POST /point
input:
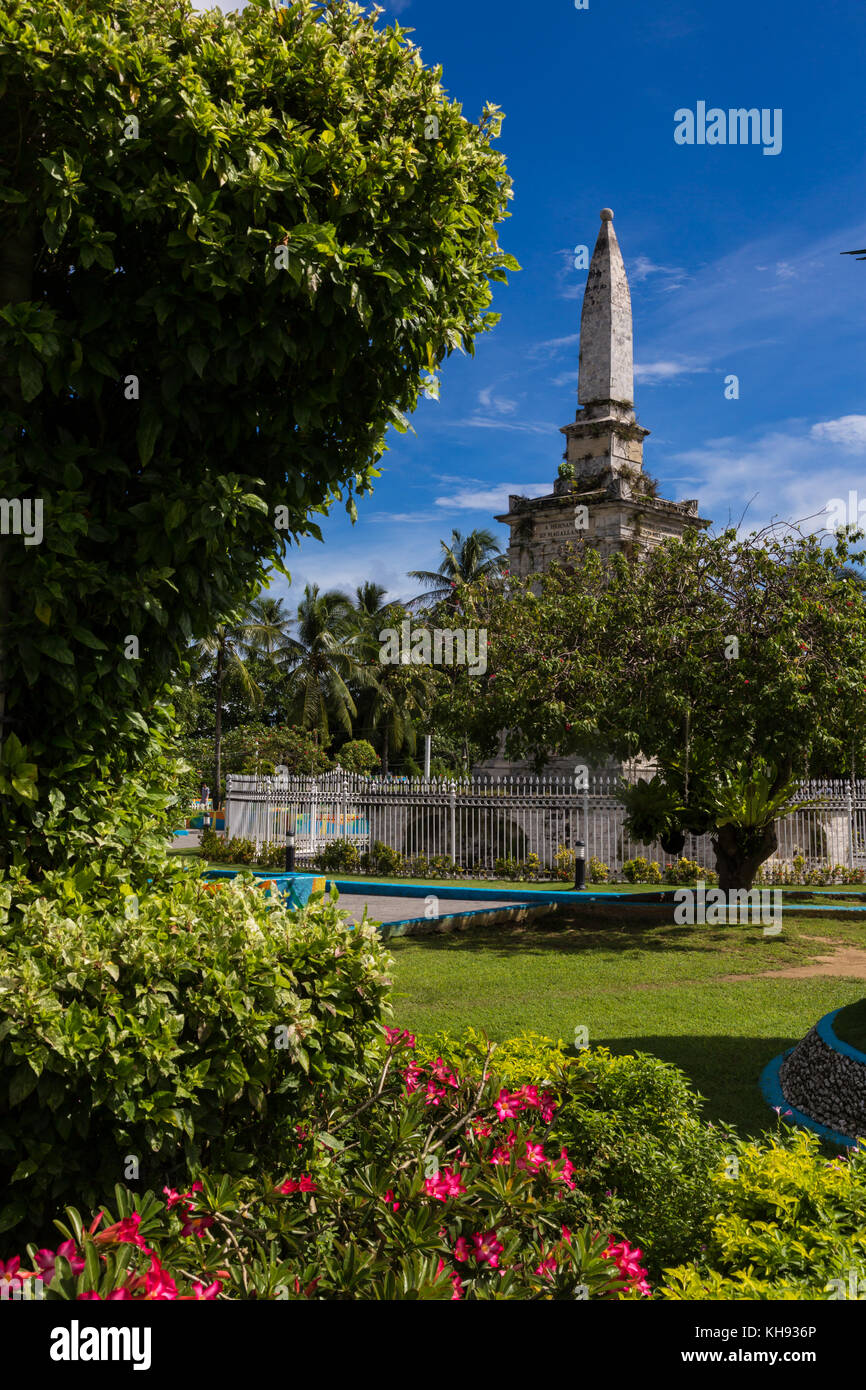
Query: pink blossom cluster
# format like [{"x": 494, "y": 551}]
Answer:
[
  {"x": 194, "y": 1224},
  {"x": 155, "y": 1284},
  {"x": 302, "y": 1184},
  {"x": 627, "y": 1261}
]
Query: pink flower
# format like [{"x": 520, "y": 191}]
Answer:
[
  {"x": 547, "y": 1267},
  {"x": 500, "y": 1155},
  {"x": 124, "y": 1232},
  {"x": 89, "y": 1296},
  {"x": 194, "y": 1225},
  {"x": 507, "y": 1106},
  {"x": 305, "y": 1184},
  {"x": 388, "y": 1199},
  {"x": 461, "y": 1249},
  {"x": 548, "y": 1107},
  {"x": 158, "y": 1282},
  {"x": 413, "y": 1076},
  {"x": 481, "y": 1128},
  {"x": 398, "y": 1036},
  {"x": 534, "y": 1157},
  {"x": 458, "y": 1287},
  {"x": 529, "y": 1096},
  {"x": 9, "y": 1276},
  {"x": 435, "y": 1094},
  {"x": 200, "y": 1292},
  {"x": 567, "y": 1169},
  {"x": 487, "y": 1248},
  {"x": 441, "y": 1072},
  {"x": 628, "y": 1263},
  {"x": 444, "y": 1185}
]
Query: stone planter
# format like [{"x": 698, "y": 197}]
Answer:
[{"x": 822, "y": 1083}]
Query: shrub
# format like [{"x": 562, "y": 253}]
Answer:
[
  {"x": 788, "y": 1225},
  {"x": 340, "y": 856},
  {"x": 382, "y": 859},
  {"x": 178, "y": 1028},
  {"x": 632, "y": 1125},
  {"x": 640, "y": 871},
  {"x": 563, "y": 863},
  {"x": 690, "y": 871},
  {"x": 358, "y": 756},
  {"x": 598, "y": 871},
  {"x": 441, "y": 1190}
]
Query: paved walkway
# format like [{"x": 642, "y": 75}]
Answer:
[{"x": 392, "y": 909}]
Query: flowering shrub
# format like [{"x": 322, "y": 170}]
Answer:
[
  {"x": 596, "y": 870},
  {"x": 794, "y": 871},
  {"x": 184, "y": 1027},
  {"x": 646, "y": 1161},
  {"x": 639, "y": 870},
  {"x": 788, "y": 1225},
  {"x": 690, "y": 871},
  {"x": 419, "y": 1184}
]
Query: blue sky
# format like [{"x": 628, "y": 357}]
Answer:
[{"x": 733, "y": 258}]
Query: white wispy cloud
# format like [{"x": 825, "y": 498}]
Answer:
[
  {"x": 671, "y": 277},
  {"x": 502, "y": 405},
  {"x": 490, "y": 499},
  {"x": 651, "y": 373},
  {"x": 790, "y": 473},
  {"x": 552, "y": 347},
  {"x": 849, "y": 431}
]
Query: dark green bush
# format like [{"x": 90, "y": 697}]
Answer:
[
  {"x": 340, "y": 856},
  {"x": 183, "y": 1028}
]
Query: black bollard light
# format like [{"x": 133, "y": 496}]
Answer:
[
  {"x": 206, "y": 821},
  {"x": 290, "y": 852},
  {"x": 579, "y": 866}
]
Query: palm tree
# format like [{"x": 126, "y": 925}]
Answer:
[
  {"x": 465, "y": 560},
  {"x": 227, "y": 648},
  {"x": 275, "y": 620},
  {"x": 323, "y": 659}
]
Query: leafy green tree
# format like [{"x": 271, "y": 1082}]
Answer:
[
  {"x": 235, "y": 249},
  {"x": 732, "y": 664},
  {"x": 465, "y": 561}
]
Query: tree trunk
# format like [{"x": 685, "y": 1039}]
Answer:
[
  {"x": 218, "y": 739},
  {"x": 385, "y": 750},
  {"x": 740, "y": 853}
]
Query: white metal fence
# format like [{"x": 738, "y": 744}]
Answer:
[{"x": 476, "y": 821}]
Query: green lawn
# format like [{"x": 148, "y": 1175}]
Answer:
[{"x": 636, "y": 985}]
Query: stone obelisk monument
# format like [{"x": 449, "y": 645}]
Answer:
[{"x": 602, "y": 494}]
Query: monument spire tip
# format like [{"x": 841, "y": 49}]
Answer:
[{"x": 606, "y": 215}]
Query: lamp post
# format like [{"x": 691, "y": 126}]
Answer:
[
  {"x": 290, "y": 851},
  {"x": 579, "y": 866},
  {"x": 206, "y": 821}
]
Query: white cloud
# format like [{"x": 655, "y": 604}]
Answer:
[
  {"x": 790, "y": 474},
  {"x": 849, "y": 431},
  {"x": 651, "y": 373},
  {"x": 501, "y": 404},
  {"x": 552, "y": 347},
  {"x": 490, "y": 499}
]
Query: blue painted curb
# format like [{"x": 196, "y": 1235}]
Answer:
[
  {"x": 772, "y": 1092},
  {"x": 525, "y": 895}
]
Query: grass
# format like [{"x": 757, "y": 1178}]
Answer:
[
  {"x": 850, "y": 1025},
  {"x": 636, "y": 985}
]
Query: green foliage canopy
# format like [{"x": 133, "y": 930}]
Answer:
[{"x": 232, "y": 258}]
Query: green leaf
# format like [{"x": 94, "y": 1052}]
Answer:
[{"x": 148, "y": 432}]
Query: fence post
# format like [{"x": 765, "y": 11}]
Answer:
[
  {"x": 314, "y": 815},
  {"x": 453, "y": 824},
  {"x": 850, "y": 828}
]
